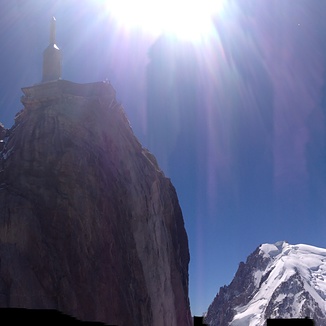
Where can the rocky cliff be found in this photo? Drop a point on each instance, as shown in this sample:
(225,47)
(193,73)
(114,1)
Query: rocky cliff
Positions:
(89,224)
(277,281)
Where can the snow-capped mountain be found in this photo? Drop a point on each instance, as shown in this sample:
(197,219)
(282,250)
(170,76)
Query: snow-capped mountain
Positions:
(277,281)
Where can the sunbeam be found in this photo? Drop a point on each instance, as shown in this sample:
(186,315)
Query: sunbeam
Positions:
(187,20)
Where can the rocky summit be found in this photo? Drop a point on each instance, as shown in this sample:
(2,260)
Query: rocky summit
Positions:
(89,224)
(277,281)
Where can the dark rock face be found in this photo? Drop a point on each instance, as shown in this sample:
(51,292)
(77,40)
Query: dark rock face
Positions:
(239,292)
(89,225)
(2,136)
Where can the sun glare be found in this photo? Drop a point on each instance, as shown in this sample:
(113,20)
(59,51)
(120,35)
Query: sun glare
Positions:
(186,19)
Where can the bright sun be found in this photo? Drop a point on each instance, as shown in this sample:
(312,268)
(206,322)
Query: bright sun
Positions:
(186,19)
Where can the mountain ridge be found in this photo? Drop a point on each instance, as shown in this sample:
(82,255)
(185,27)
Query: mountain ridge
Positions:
(277,281)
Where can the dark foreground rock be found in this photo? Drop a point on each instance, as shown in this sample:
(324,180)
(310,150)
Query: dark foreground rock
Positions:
(89,224)
(48,317)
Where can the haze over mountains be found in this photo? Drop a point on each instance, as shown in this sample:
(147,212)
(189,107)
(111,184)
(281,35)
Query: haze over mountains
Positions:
(237,124)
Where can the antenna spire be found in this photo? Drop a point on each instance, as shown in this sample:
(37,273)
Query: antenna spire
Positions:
(52,30)
(51,58)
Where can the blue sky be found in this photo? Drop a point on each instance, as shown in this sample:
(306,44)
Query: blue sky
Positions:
(237,121)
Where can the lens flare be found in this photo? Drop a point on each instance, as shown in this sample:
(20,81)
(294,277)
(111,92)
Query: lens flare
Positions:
(186,19)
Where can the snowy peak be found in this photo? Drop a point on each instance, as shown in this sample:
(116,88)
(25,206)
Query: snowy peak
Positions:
(277,281)
(272,250)
(302,261)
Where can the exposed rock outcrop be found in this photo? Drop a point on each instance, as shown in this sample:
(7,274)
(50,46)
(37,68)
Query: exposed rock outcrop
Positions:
(2,136)
(89,224)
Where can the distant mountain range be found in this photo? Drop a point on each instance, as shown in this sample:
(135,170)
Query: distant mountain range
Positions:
(277,281)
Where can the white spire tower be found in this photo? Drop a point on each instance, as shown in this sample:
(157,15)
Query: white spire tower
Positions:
(52,57)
